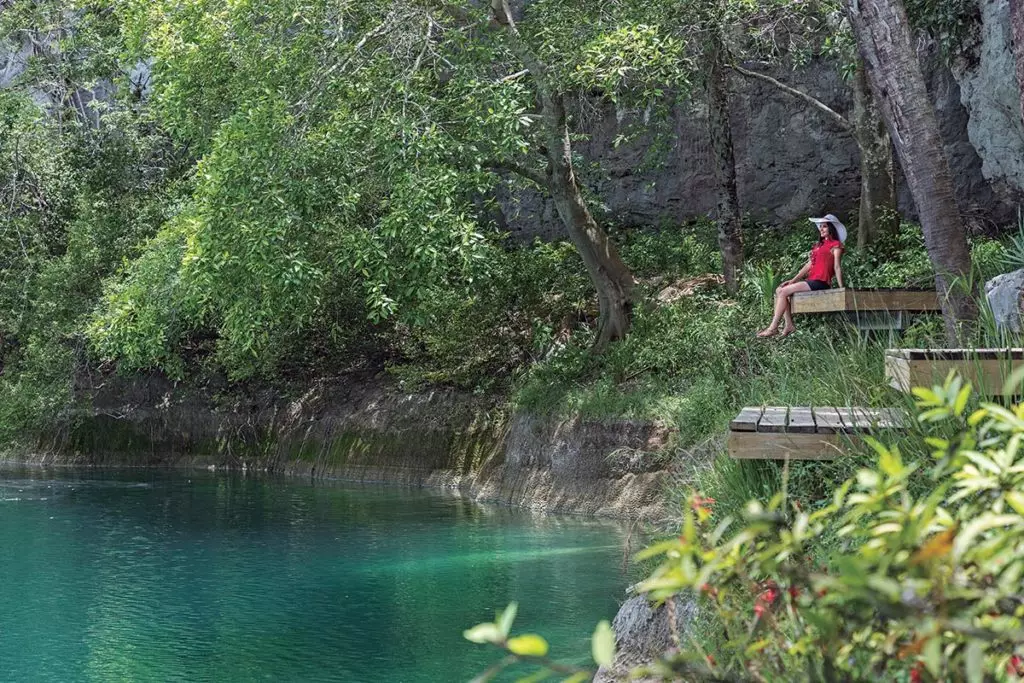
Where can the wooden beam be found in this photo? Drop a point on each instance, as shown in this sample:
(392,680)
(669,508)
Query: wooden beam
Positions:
(986,369)
(773,420)
(801,433)
(827,421)
(862,300)
(801,421)
(783,446)
(747,420)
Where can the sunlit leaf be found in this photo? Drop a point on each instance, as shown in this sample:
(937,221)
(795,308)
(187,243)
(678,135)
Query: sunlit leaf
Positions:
(483,633)
(506,618)
(528,645)
(602,644)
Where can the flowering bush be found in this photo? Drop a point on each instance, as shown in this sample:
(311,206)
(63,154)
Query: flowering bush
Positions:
(920,588)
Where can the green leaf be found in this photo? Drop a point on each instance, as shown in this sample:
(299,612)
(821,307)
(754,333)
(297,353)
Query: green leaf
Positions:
(483,633)
(528,645)
(932,655)
(505,619)
(602,644)
(975,661)
(961,399)
(1016,500)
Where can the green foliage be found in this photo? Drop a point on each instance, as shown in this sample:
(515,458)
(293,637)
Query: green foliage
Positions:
(951,22)
(531,649)
(911,570)
(924,585)
(524,302)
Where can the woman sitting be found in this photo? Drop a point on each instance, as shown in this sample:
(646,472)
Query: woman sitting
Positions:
(819,270)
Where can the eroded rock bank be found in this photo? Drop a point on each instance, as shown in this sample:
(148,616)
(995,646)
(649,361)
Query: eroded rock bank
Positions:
(367,430)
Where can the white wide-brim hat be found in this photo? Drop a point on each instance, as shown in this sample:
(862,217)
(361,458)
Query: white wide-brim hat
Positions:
(831,218)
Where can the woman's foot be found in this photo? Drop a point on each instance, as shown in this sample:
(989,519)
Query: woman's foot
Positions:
(768,332)
(787,331)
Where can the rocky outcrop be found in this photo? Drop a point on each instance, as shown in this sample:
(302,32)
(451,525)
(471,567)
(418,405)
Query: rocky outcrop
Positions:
(644,632)
(990,94)
(1005,294)
(366,430)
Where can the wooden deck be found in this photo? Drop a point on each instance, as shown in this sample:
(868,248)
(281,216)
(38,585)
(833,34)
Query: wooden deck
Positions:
(986,369)
(845,300)
(781,433)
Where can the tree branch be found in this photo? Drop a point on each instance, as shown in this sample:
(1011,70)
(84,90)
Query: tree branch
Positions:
(531,174)
(836,117)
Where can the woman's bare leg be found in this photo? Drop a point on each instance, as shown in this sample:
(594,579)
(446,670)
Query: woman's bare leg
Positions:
(788,327)
(782,309)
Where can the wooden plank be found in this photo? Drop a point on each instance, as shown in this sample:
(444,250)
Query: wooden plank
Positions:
(896,300)
(861,420)
(747,420)
(987,375)
(890,418)
(897,370)
(827,421)
(959,354)
(773,420)
(801,421)
(850,300)
(782,446)
(823,301)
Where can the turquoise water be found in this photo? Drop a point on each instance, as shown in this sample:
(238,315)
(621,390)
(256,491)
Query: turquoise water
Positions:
(150,576)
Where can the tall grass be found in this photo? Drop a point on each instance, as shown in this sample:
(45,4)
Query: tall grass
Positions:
(691,363)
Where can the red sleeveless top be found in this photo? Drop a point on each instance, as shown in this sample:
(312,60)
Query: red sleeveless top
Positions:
(823,264)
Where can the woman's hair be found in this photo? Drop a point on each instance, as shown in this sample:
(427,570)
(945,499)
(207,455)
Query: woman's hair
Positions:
(832,233)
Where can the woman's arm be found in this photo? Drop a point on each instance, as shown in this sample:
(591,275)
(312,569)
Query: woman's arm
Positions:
(837,254)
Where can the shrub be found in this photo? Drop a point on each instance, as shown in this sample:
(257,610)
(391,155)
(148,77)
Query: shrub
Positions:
(922,587)
(911,572)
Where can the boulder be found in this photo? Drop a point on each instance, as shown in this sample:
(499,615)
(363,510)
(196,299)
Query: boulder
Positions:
(1005,294)
(643,633)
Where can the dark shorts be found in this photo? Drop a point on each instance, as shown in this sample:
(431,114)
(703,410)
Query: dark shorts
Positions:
(816,285)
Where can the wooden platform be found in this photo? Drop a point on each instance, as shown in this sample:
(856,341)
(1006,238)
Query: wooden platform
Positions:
(986,369)
(845,300)
(781,433)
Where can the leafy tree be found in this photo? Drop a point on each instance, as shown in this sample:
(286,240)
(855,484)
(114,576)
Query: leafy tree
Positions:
(808,28)
(83,178)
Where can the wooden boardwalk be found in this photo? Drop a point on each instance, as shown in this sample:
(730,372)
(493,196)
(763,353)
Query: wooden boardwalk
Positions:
(798,433)
(986,369)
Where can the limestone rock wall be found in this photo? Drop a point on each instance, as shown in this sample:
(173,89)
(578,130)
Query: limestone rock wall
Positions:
(366,431)
(791,161)
(990,94)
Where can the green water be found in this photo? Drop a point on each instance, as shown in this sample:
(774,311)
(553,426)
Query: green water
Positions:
(150,576)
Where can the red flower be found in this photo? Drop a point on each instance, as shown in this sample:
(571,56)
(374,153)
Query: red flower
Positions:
(711,660)
(1015,667)
(915,673)
(758,610)
(794,592)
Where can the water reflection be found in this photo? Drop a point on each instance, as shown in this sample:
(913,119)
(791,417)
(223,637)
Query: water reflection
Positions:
(150,575)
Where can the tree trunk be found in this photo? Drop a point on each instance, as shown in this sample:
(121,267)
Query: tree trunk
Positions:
(1017,32)
(883,36)
(612,279)
(730,226)
(878,214)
